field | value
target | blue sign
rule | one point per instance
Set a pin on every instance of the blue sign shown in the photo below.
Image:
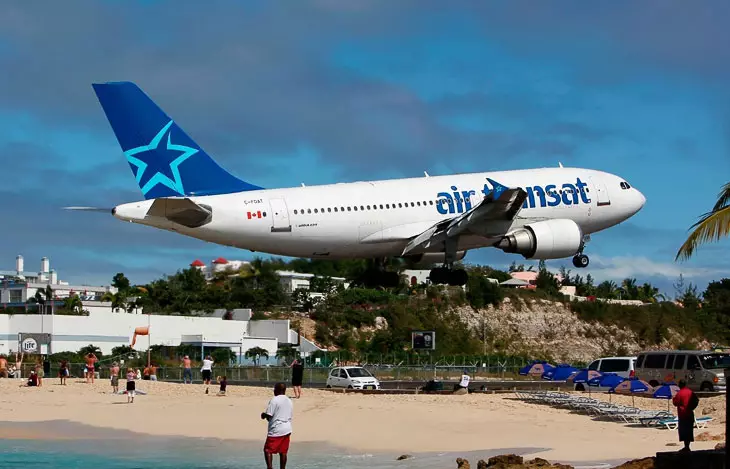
(551, 195)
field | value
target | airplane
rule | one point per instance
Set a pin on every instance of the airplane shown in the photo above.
(543, 213)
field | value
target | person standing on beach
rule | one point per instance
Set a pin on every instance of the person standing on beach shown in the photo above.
(3, 366)
(131, 376)
(90, 362)
(115, 377)
(297, 376)
(686, 402)
(63, 372)
(279, 415)
(207, 371)
(187, 370)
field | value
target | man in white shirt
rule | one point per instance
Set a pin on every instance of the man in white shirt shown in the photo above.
(207, 371)
(464, 383)
(279, 414)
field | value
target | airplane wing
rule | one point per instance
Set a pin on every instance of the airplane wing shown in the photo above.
(501, 204)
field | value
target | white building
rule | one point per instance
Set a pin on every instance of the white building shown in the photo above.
(107, 329)
(18, 286)
(219, 265)
(44, 275)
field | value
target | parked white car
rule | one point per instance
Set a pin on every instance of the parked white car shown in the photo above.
(352, 377)
(622, 366)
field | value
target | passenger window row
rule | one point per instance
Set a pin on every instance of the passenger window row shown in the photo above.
(355, 208)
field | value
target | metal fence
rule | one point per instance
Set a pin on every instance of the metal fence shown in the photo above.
(313, 376)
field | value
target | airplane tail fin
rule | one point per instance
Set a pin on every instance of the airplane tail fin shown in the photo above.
(165, 161)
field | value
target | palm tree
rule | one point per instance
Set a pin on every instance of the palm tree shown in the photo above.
(711, 226)
(118, 300)
(255, 353)
(73, 303)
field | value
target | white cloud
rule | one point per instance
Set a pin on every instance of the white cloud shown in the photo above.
(621, 267)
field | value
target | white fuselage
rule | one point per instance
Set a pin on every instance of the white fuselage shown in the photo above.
(375, 219)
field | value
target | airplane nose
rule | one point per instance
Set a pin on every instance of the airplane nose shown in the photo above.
(639, 201)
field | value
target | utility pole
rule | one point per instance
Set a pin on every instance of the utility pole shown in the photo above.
(149, 340)
(484, 333)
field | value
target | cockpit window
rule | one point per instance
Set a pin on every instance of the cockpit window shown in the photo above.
(625, 185)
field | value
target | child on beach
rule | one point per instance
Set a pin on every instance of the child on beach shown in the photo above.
(223, 382)
(131, 375)
(115, 377)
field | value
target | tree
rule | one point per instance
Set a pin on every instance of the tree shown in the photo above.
(121, 283)
(223, 355)
(91, 348)
(712, 226)
(256, 353)
(287, 352)
(124, 351)
(118, 300)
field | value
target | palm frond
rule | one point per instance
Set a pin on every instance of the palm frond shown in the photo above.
(723, 198)
(711, 227)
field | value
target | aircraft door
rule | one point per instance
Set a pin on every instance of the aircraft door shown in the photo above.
(600, 192)
(279, 216)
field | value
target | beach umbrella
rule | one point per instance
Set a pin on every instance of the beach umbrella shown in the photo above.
(665, 391)
(536, 368)
(583, 376)
(559, 373)
(608, 380)
(631, 386)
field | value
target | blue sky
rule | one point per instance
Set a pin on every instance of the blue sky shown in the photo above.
(282, 93)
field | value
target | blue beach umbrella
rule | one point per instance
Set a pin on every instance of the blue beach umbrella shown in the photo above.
(665, 391)
(536, 368)
(631, 386)
(583, 376)
(608, 380)
(559, 373)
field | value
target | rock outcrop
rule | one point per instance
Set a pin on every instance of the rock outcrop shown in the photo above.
(543, 328)
(511, 461)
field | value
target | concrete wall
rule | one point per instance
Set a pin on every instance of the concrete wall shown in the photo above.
(278, 328)
(107, 330)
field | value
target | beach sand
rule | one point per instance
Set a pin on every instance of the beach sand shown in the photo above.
(374, 423)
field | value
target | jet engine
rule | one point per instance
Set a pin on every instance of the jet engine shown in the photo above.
(431, 258)
(551, 239)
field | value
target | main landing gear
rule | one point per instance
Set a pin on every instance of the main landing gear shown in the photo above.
(448, 276)
(581, 260)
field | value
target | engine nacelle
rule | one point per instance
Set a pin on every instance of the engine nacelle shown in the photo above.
(434, 257)
(551, 239)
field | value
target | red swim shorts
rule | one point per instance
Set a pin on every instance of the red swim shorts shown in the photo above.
(277, 444)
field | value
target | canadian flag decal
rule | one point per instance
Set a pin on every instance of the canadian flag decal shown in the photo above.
(256, 214)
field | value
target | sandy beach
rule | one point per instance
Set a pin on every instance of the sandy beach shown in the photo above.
(389, 423)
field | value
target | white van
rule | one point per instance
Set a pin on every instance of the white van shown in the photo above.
(622, 366)
(702, 370)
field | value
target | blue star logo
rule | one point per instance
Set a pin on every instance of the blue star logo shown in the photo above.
(163, 161)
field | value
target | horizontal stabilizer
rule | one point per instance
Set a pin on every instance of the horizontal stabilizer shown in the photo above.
(181, 211)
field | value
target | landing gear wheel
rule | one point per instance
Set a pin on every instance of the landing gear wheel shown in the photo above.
(439, 275)
(581, 261)
(444, 275)
(458, 278)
